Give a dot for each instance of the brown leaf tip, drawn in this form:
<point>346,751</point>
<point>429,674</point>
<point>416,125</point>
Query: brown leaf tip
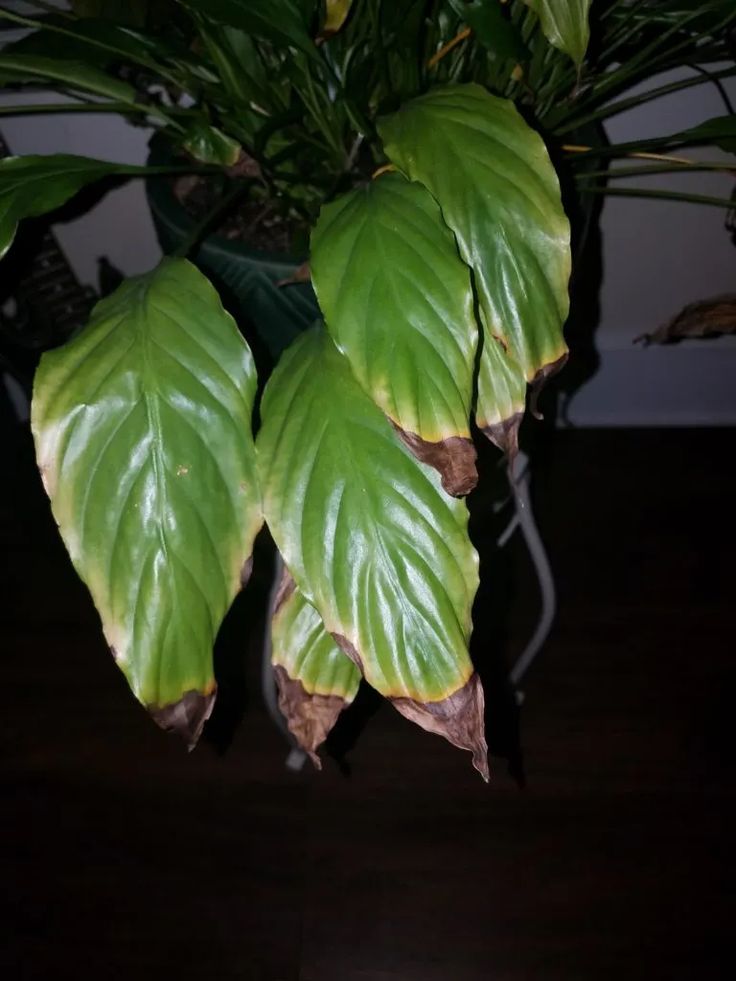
<point>186,717</point>
<point>453,458</point>
<point>505,435</point>
<point>540,380</point>
<point>704,318</point>
<point>459,718</point>
<point>309,717</point>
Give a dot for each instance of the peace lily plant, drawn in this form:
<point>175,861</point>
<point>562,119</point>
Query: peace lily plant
<point>407,135</point>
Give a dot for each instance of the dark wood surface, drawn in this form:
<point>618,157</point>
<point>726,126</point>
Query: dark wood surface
<point>125,857</point>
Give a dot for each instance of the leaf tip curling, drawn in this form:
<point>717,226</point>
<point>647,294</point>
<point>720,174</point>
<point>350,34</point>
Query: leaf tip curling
<point>186,717</point>
<point>310,717</point>
<point>453,458</point>
<point>459,718</point>
<point>505,434</point>
<point>540,380</point>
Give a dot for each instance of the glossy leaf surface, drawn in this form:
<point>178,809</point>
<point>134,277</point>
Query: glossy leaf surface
<point>142,430</point>
<point>371,539</point>
<point>316,680</point>
<point>499,193</point>
<point>565,24</point>
<point>34,185</point>
<point>398,302</point>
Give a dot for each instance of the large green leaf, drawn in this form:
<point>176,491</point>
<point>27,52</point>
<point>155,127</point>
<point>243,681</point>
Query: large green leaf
<point>34,185</point>
<point>282,21</point>
<point>73,75</point>
<point>499,193</point>
<point>143,439</point>
<point>565,24</point>
<point>398,302</point>
<point>316,680</point>
<point>372,540</point>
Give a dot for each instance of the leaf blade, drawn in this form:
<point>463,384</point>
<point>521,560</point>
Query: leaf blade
<point>565,25</point>
<point>33,185</point>
<point>719,131</point>
<point>398,302</point>
<point>371,539</point>
<point>492,177</point>
<point>496,32</point>
<point>315,679</point>
<point>75,75</point>
<point>281,21</point>
<point>142,432</point>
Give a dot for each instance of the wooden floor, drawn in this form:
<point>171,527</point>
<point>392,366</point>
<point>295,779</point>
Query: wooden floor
<point>602,849</point>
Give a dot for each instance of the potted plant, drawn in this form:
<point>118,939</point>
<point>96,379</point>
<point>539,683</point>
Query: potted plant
<point>414,142</point>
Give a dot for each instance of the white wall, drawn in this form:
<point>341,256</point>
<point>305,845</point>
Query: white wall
<point>120,226</point>
<point>659,256</point>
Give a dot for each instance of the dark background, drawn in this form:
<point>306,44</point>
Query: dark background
<point>603,847</point>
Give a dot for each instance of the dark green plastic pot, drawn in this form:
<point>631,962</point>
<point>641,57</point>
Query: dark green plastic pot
<point>246,278</point>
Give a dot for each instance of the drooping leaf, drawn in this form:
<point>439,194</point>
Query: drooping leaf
<point>316,680</point>
<point>496,32</point>
<point>565,24</point>
<point>703,319</point>
<point>281,21</point>
<point>372,540</point>
<point>499,193</point>
<point>142,430</point>
<point>77,76</point>
<point>398,302</point>
<point>33,185</point>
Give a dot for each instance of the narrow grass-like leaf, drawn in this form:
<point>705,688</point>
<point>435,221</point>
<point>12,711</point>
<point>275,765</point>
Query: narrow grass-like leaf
<point>498,191</point>
<point>719,131</point>
<point>398,302</point>
<point>372,540</point>
<point>316,680</point>
<point>74,75</point>
<point>142,430</point>
<point>282,21</point>
<point>565,24</point>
